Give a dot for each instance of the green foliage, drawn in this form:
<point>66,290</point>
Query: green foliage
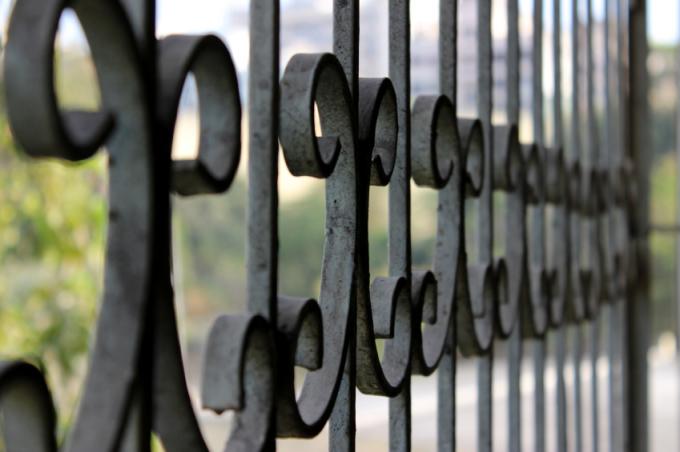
<point>664,202</point>
<point>662,64</point>
<point>52,226</point>
<point>663,96</point>
<point>52,221</point>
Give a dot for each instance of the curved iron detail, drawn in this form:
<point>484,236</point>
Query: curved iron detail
<point>509,173</point>
<point>567,239</point>
<point>30,421</point>
<point>308,80</point>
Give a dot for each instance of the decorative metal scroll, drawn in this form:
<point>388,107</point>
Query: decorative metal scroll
<point>372,134</point>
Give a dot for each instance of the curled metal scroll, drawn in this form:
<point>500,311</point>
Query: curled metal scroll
<point>370,136</point>
<point>581,270</point>
<point>207,58</point>
<point>475,286</point>
<point>579,281</point>
<point>509,173</point>
<point>557,197</point>
<point>589,223</point>
<point>239,376</point>
<point>227,383</point>
<point>28,420</point>
<point>539,279</point>
<point>125,126</point>
<point>478,279</point>
<point>437,159</point>
<point>311,79</point>
<point>384,310</point>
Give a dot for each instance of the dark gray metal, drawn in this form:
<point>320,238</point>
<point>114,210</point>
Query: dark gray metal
<point>637,304</point>
<point>372,133</point>
<point>541,275</point>
<point>578,400</point>
<point>400,200</point>
<point>561,391</point>
<point>594,337</point>
<point>517,205</point>
<point>561,248</point>
<point>449,224</point>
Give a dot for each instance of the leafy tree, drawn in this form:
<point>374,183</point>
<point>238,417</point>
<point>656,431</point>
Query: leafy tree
<point>52,226</point>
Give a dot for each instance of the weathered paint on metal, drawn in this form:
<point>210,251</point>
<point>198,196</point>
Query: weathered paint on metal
<point>371,134</point>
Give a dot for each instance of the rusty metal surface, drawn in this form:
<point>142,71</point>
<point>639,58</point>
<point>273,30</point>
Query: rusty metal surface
<point>568,247</point>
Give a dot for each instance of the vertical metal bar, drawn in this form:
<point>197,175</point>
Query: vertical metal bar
<point>448,52</point>
<point>592,154</point>
<point>615,336</point>
<point>400,191</point>
<point>515,339</point>
<point>594,354</point>
<point>578,424</point>
<point>513,62</point>
<point>621,82</point>
<point>485,110</point>
<point>611,161</point>
<point>537,75</point>
<point>485,402</point>
<point>614,377</point>
<point>576,155</point>
<point>560,358</point>
<point>263,150</point>
<point>400,194</point>
<point>400,420</point>
<point>539,350</point>
<point>515,391</point>
<point>624,139</point>
<point>609,143</point>
<point>557,72</point>
<point>593,160</point>
<point>637,339</point>
<point>346,40</point>
<point>560,335</point>
<point>575,101</point>
<point>138,422</point>
<point>446,398</point>
<point>446,374</point>
<point>539,394</point>
<point>342,432</point>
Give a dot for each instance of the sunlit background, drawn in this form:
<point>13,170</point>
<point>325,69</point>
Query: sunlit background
<point>53,217</point>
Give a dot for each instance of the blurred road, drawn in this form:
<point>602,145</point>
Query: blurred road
<point>372,423</point>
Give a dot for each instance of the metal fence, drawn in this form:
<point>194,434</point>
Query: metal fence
<point>574,249</point>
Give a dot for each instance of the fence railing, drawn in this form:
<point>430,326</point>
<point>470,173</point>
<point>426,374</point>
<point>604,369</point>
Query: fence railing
<point>574,226</point>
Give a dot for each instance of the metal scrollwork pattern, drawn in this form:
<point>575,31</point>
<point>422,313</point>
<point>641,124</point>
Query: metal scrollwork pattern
<point>552,271</point>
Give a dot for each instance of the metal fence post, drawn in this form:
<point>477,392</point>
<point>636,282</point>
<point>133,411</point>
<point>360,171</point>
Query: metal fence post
<point>638,302</point>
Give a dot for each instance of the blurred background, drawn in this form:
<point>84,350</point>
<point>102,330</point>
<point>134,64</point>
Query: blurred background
<point>53,215</point>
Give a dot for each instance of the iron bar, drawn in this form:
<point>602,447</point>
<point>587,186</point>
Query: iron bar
<point>548,279</point>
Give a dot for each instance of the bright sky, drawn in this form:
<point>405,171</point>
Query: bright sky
<point>202,15</point>
<point>662,21</point>
<point>196,16</point>
<point>205,16</point>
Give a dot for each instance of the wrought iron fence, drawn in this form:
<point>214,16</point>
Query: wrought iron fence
<point>574,222</point>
